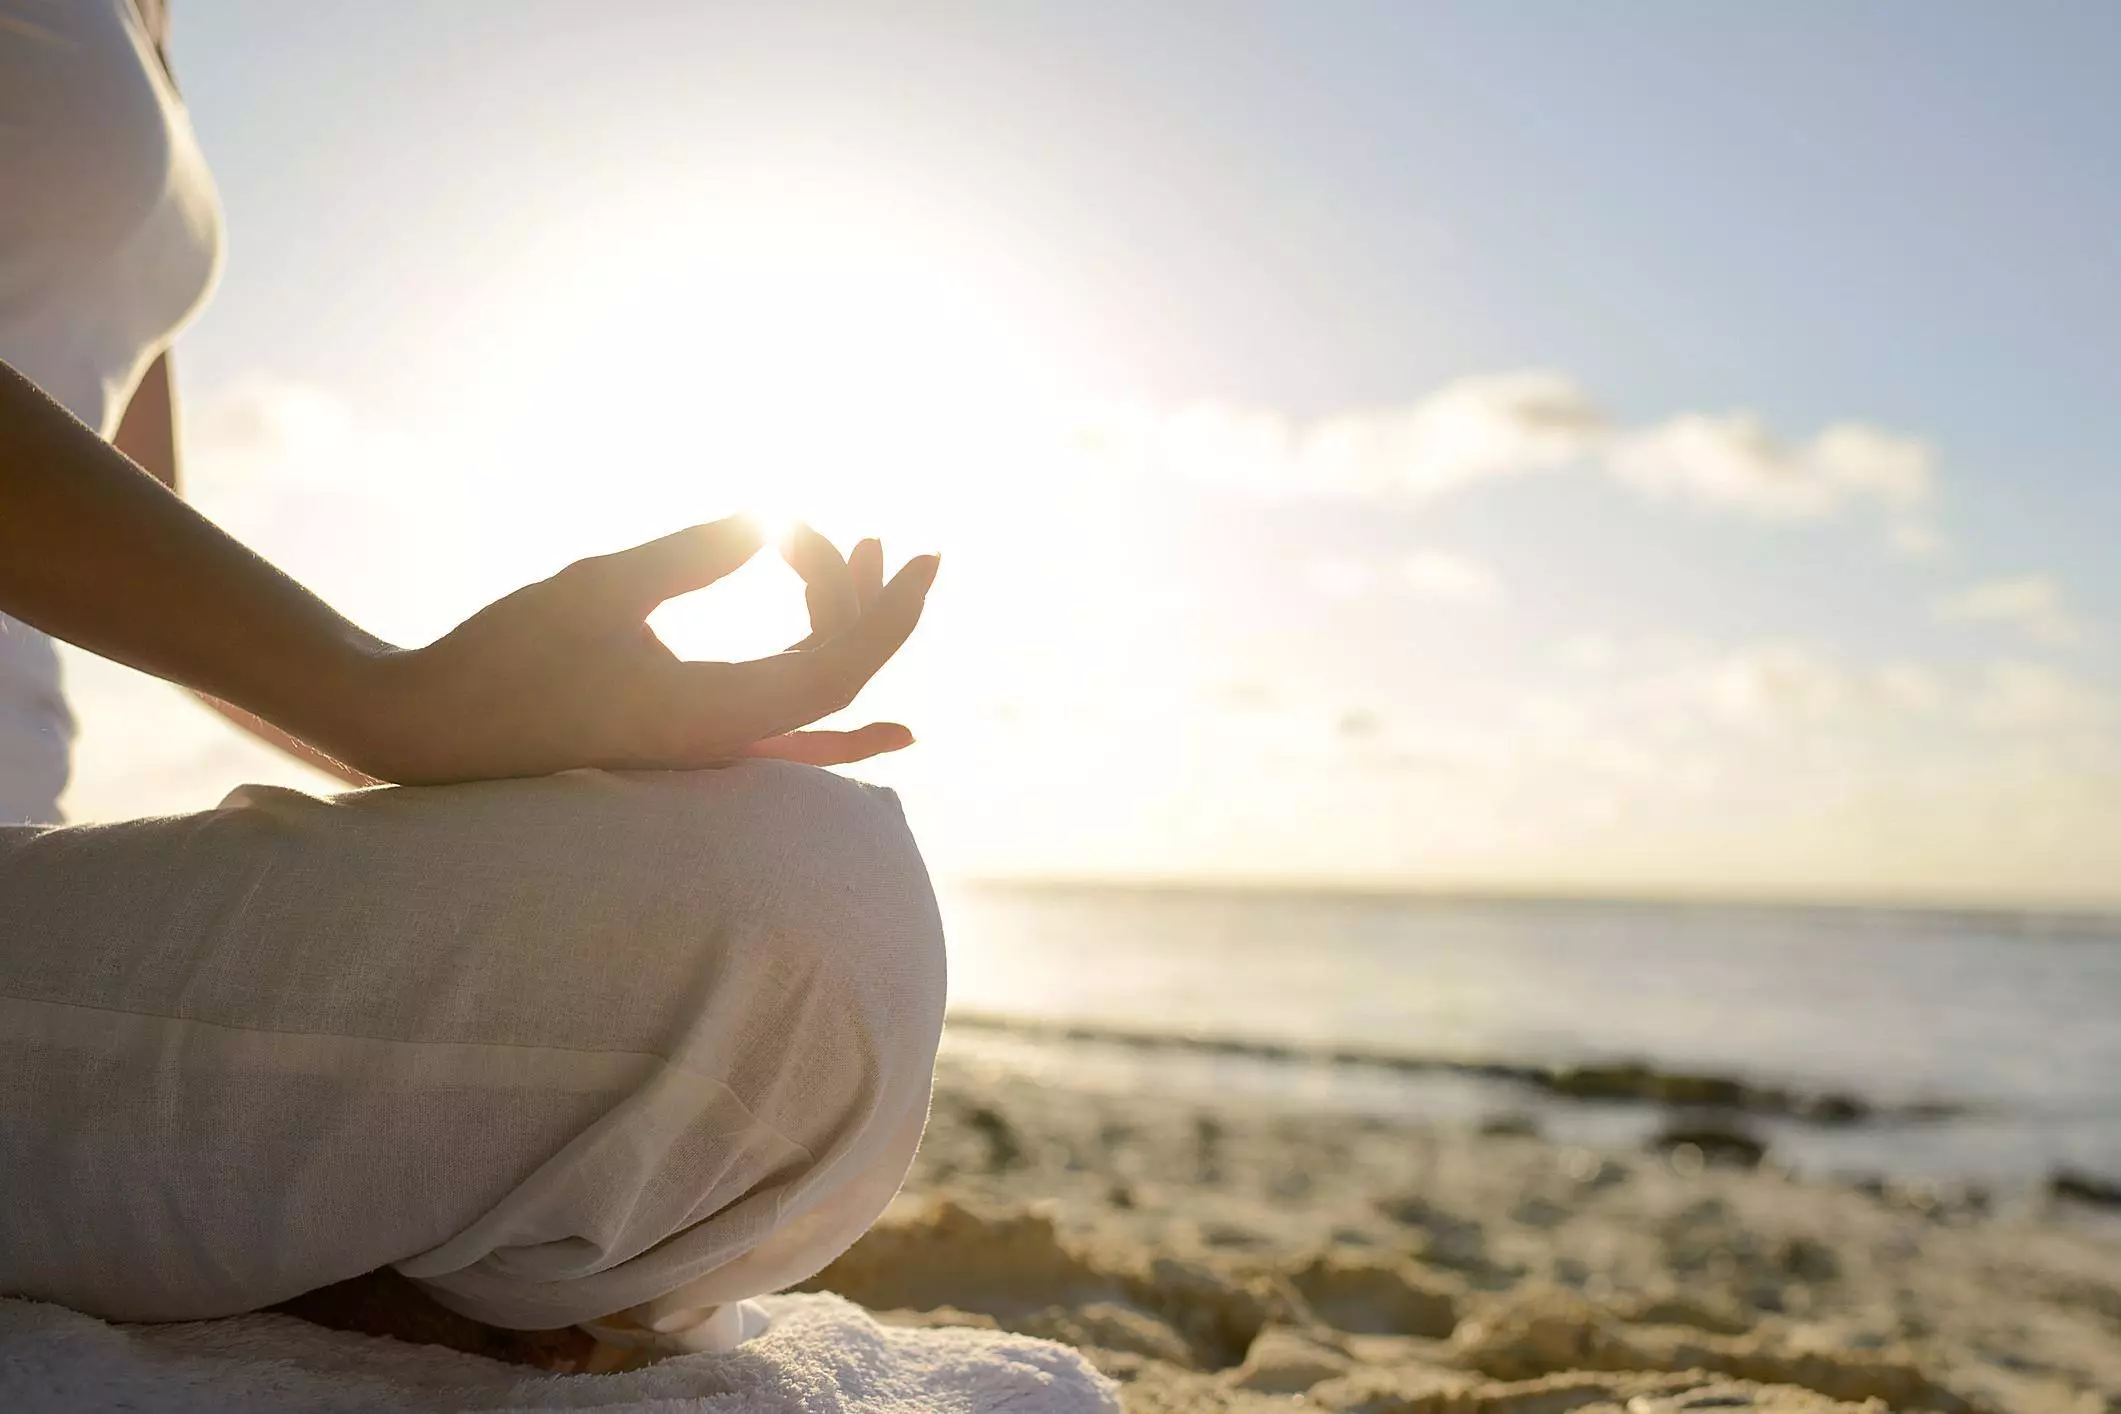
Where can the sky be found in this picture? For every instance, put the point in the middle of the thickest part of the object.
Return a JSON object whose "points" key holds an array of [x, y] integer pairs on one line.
{"points": [[1633, 448]]}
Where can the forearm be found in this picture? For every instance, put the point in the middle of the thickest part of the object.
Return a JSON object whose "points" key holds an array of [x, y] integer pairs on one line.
{"points": [[96, 552], [149, 434], [261, 730]]}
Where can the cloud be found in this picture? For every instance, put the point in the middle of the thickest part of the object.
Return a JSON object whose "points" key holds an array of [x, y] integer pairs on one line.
{"points": [[1787, 686], [1468, 431], [2036, 699], [1733, 462], [1496, 427], [2033, 605], [1775, 685]]}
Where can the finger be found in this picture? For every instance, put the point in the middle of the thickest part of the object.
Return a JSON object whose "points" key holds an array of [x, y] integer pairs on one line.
{"points": [[866, 564], [769, 696], [851, 658], [828, 588], [693, 558], [818, 748]]}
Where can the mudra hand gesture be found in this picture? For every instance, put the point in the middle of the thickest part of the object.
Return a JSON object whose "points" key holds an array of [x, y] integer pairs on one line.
{"points": [[559, 674], [566, 672]]}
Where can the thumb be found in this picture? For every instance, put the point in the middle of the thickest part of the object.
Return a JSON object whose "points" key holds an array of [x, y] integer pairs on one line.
{"points": [[644, 576]]}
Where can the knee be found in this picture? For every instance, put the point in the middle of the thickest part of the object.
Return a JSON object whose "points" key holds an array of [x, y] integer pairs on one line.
{"points": [[820, 995], [837, 878], [844, 860]]}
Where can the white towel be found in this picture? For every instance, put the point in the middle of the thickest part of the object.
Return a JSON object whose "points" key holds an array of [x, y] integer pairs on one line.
{"points": [[822, 1355]]}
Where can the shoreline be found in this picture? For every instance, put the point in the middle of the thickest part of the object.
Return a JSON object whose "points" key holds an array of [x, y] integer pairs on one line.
{"points": [[2097, 919], [1715, 1117], [1244, 1256], [1615, 1080]]}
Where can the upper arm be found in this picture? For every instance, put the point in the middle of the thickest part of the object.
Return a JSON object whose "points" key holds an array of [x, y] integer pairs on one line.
{"points": [[148, 431]]}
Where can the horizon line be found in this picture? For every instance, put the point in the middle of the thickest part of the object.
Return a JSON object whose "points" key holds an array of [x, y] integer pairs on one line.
{"points": [[2093, 910]]}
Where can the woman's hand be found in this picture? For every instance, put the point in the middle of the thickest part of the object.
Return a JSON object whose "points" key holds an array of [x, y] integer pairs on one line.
{"points": [[566, 672], [560, 674], [837, 591]]}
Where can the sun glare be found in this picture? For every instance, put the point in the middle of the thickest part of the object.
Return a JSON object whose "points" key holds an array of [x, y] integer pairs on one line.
{"points": [[809, 348]]}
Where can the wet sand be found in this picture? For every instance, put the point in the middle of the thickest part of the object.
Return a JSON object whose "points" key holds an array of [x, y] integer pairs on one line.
{"points": [[1254, 1258]]}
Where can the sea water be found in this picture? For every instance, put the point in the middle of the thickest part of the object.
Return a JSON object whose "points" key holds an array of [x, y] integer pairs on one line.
{"points": [[2014, 1018]]}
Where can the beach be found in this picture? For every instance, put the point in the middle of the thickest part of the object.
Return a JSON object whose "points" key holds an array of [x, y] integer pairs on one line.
{"points": [[1407, 1158], [1251, 1254]]}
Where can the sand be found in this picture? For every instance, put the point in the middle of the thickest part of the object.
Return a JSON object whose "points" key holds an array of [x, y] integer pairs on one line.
{"points": [[1248, 1258]]}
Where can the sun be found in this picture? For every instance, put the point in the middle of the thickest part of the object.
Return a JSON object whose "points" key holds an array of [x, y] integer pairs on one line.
{"points": [[800, 344], [808, 347]]}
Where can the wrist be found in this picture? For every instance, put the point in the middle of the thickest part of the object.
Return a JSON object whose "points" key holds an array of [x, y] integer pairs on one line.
{"points": [[345, 704]]}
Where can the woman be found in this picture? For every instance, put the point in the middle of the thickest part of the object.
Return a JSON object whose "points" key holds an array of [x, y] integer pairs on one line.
{"points": [[562, 1043]]}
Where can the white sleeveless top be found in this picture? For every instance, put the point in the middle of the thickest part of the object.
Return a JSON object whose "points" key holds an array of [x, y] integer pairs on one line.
{"points": [[110, 238]]}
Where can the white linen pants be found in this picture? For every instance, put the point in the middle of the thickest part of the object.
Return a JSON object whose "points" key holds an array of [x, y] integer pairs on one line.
{"points": [[554, 1048]]}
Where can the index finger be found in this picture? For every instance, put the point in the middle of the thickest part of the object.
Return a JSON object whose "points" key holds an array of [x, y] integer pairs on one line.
{"points": [[855, 654], [828, 587], [865, 562]]}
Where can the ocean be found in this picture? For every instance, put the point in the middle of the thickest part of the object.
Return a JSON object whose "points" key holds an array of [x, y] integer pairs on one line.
{"points": [[2001, 1032]]}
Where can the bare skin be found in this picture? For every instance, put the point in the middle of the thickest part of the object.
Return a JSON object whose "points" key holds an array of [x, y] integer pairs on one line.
{"points": [[150, 435], [559, 674]]}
